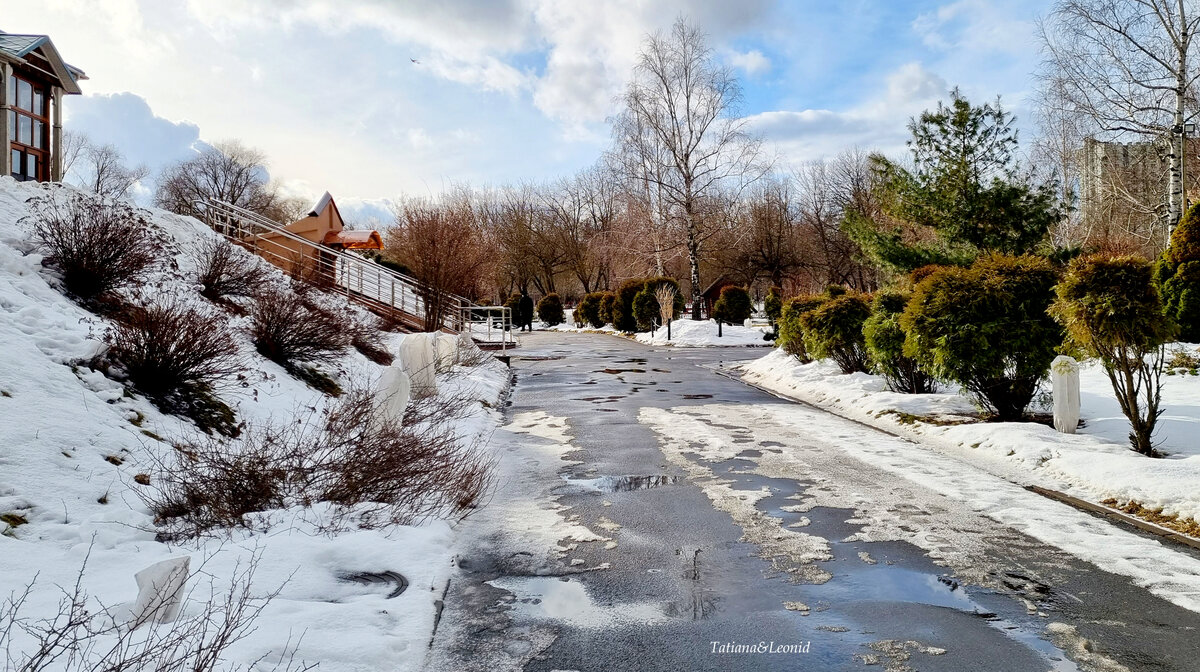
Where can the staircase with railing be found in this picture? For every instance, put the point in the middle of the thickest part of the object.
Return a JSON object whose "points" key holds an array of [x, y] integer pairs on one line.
{"points": [[387, 293]]}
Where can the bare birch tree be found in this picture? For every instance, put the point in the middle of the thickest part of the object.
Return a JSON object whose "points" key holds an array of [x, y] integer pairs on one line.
{"points": [[680, 135], [1125, 66]]}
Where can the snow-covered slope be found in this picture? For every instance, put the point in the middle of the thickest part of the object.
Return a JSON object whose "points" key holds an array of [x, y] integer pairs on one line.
{"points": [[72, 442]]}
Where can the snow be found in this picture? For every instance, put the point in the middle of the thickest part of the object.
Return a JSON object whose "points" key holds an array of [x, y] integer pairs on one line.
{"points": [[72, 440], [686, 333], [1094, 464], [818, 444]]}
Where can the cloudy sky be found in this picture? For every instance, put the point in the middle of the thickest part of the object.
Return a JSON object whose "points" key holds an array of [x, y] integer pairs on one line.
{"points": [[375, 98]]}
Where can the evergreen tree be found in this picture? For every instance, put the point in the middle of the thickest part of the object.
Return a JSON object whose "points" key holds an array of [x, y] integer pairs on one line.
{"points": [[965, 194]]}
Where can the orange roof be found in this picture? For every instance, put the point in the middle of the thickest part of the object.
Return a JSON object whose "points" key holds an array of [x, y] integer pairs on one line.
{"points": [[355, 240]]}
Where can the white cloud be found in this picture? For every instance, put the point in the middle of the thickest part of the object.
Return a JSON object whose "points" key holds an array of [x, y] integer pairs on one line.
{"points": [[972, 26], [874, 123], [751, 62]]}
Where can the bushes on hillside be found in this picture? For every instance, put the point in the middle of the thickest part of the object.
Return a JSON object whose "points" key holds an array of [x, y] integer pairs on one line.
{"points": [[224, 271], [1177, 275], [175, 354], [733, 306], [885, 345], [375, 470], [986, 328], [550, 310], [289, 331], [98, 244], [834, 330], [587, 312], [1112, 311]]}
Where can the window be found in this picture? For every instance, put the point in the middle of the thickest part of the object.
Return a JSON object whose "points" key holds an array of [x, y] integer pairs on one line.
{"points": [[28, 129]]}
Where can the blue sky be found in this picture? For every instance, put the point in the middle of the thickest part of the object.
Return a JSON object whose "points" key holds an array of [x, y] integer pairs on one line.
{"points": [[503, 91]]}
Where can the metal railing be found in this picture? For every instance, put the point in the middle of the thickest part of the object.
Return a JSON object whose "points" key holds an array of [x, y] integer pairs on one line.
{"points": [[356, 277]]}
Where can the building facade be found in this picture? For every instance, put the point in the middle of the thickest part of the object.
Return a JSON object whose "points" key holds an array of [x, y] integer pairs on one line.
{"points": [[35, 81]]}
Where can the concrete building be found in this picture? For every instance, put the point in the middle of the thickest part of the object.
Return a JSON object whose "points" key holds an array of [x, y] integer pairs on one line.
{"points": [[35, 80]]}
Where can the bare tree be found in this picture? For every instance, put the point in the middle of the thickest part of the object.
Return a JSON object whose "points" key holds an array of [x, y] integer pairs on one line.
{"points": [[681, 137], [73, 143], [102, 170], [1124, 66], [227, 171], [442, 246]]}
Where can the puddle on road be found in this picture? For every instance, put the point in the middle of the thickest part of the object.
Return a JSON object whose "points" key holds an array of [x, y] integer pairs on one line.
{"points": [[617, 371], [568, 602], [622, 483], [697, 396]]}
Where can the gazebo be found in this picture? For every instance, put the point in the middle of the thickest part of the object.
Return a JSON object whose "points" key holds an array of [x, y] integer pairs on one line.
{"points": [[36, 79]]}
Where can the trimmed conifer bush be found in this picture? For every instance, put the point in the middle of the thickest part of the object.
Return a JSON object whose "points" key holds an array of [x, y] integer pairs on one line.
{"points": [[607, 301], [834, 330], [1177, 274], [550, 310], [986, 328], [791, 333], [1112, 311], [885, 345], [623, 317], [645, 308], [588, 310], [733, 306], [773, 304]]}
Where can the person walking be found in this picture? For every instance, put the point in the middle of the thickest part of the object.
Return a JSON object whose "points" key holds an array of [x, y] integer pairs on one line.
{"points": [[525, 309]]}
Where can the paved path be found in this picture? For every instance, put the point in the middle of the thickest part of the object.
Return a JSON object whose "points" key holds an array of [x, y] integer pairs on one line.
{"points": [[651, 512]]}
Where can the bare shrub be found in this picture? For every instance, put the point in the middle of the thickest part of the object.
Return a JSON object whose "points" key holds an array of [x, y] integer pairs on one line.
{"points": [[84, 635], [175, 354], [374, 471], [287, 329], [224, 271], [365, 337], [98, 244]]}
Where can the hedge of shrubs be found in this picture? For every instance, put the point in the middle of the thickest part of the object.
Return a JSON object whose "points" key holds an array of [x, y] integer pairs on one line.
{"points": [[834, 330], [885, 345]]}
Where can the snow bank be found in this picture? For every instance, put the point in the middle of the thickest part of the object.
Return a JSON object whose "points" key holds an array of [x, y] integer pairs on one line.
{"points": [[686, 333], [72, 442], [1094, 464]]}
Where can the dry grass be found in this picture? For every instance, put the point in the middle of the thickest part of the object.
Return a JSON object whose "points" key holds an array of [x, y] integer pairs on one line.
{"points": [[1188, 526]]}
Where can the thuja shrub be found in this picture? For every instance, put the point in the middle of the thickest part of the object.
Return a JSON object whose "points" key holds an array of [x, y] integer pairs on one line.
{"points": [[1112, 312], [607, 301], [834, 330], [623, 317], [98, 244], [885, 345], [733, 306], [791, 333], [550, 310], [645, 309], [176, 354], [773, 304], [588, 310], [986, 328], [1177, 275]]}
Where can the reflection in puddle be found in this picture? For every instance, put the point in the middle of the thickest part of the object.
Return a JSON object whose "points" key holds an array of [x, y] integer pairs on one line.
{"points": [[622, 483], [616, 371], [568, 602], [697, 396]]}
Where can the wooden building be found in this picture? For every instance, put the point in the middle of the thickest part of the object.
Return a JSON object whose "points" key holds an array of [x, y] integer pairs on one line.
{"points": [[35, 81], [301, 250]]}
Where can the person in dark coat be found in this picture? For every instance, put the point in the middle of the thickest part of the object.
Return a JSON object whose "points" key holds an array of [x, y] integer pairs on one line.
{"points": [[525, 311]]}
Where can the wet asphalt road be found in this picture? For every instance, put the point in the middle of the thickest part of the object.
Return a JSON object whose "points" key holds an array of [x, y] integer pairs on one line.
{"points": [[682, 569]]}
